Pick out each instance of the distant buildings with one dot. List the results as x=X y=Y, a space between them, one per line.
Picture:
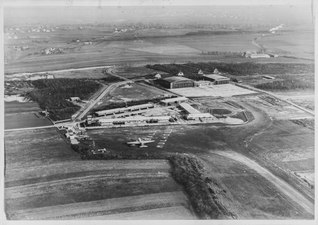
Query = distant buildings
x=40 y=76
x=254 y=55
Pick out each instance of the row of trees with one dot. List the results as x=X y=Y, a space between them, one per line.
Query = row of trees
x=287 y=84
x=239 y=69
x=203 y=191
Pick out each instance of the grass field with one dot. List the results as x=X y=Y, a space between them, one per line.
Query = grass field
x=47 y=180
x=107 y=49
x=249 y=194
x=289 y=146
x=130 y=93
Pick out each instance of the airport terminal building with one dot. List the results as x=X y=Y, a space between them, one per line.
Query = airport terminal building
x=176 y=82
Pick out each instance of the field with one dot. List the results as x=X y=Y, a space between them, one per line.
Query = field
x=224 y=90
x=304 y=98
x=251 y=195
x=131 y=93
x=288 y=43
x=23 y=114
x=275 y=108
x=48 y=180
x=288 y=146
x=136 y=48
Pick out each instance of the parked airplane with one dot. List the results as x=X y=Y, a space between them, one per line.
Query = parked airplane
x=141 y=142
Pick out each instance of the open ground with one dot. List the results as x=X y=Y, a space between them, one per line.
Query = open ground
x=54 y=183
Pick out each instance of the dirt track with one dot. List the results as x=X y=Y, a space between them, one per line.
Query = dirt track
x=281 y=185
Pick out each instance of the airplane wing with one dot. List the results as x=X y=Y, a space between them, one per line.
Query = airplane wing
x=147 y=141
x=133 y=142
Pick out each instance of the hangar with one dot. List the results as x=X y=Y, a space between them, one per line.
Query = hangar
x=217 y=79
x=176 y=82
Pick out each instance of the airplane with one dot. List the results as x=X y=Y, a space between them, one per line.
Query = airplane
x=140 y=142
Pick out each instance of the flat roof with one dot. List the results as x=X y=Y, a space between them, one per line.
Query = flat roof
x=189 y=108
x=176 y=78
x=216 y=77
x=135 y=118
x=174 y=99
x=124 y=109
x=200 y=115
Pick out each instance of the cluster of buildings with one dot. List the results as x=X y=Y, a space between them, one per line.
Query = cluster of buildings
x=180 y=81
x=255 y=55
x=134 y=115
x=74 y=134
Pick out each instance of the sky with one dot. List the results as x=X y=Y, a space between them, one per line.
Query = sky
x=150 y=2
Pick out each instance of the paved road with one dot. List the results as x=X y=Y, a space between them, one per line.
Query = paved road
x=281 y=185
x=106 y=90
x=92 y=103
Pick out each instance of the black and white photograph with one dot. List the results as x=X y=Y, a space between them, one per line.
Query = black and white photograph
x=144 y=110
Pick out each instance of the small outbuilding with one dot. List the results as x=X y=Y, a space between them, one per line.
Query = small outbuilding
x=181 y=74
x=158 y=76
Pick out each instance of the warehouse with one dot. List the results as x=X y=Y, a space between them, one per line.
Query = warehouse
x=176 y=82
x=125 y=109
x=194 y=114
x=217 y=79
x=134 y=120
x=174 y=101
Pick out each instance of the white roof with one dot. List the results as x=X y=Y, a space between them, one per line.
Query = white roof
x=189 y=108
x=200 y=115
x=216 y=77
x=134 y=118
x=174 y=99
x=123 y=109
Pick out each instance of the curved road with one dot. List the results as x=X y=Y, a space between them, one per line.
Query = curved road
x=280 y=184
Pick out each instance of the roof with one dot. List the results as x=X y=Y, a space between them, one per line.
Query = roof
x=176 y=79
x=124 y=109
x=216 y=77
x=174 y=99
x=134 y=118
x=189 y=108
x=200 y=115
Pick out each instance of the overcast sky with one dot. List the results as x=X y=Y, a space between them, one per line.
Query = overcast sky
x=151 y=2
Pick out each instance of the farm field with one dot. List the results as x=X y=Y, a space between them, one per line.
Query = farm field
x=304 y=98
x=289 y=146
x=47 y=180
x=23 y=114
x=131 y=50
x=251 y=195
x=290 y=43
x=275 y=108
